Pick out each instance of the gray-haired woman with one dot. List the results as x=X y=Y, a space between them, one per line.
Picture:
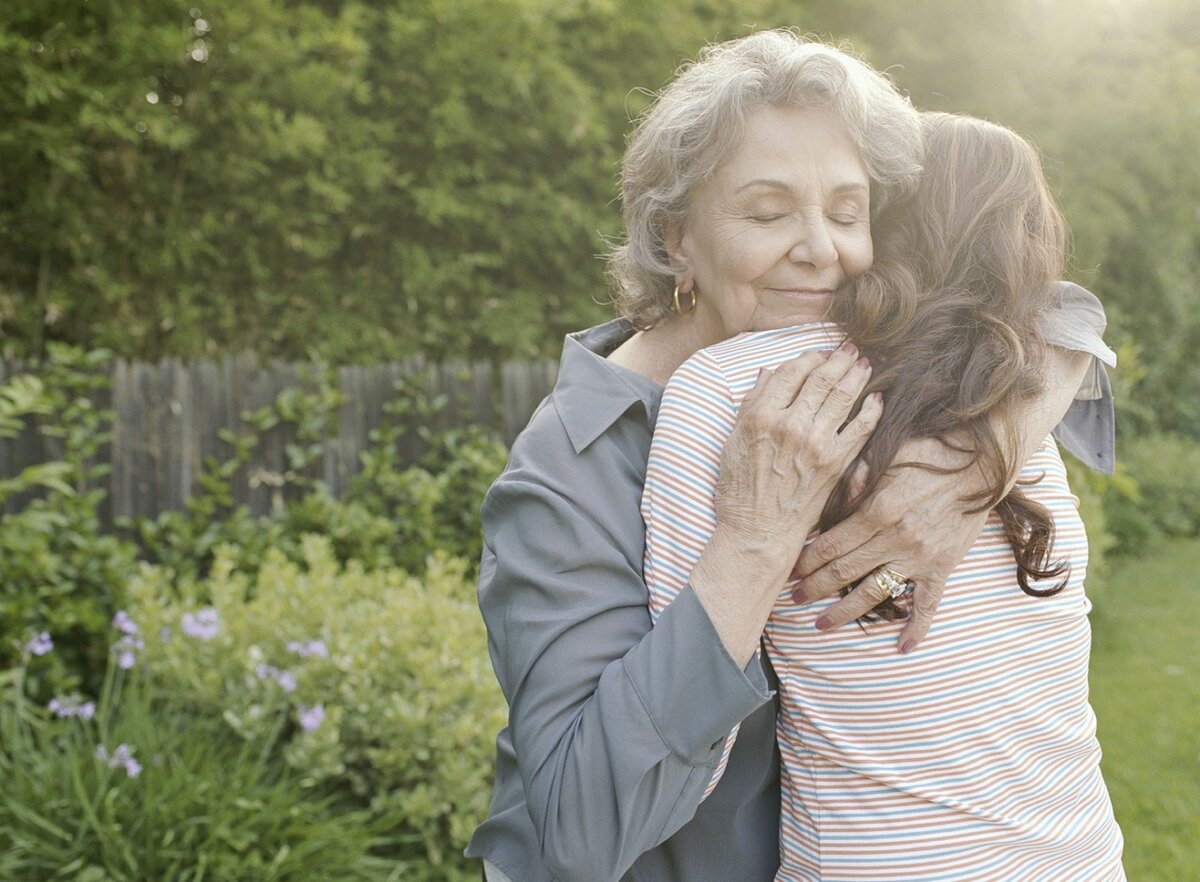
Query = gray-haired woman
x=748 y=188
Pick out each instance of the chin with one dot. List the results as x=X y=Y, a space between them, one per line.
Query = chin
x=771 y=319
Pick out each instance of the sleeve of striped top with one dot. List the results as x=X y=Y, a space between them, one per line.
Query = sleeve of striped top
x=694 y=420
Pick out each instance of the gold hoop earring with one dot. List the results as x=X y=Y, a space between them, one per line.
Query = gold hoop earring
x=679 y=308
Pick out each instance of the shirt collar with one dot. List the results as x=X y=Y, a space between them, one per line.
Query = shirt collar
x=592 y=393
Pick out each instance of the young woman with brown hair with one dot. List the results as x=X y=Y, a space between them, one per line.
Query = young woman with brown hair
x=974 y=757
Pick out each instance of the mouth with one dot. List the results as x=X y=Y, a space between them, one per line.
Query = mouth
x=804 y=293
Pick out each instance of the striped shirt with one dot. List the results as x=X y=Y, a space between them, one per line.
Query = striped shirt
x=974 y=758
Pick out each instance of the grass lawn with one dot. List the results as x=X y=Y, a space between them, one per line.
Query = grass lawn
x=1145 y=687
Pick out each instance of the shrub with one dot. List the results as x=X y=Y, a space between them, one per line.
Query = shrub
x=390 y=515
x=1166 y=469
x=380 y=673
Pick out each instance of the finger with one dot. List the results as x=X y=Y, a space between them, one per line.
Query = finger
x=840 y=540
x=925 y=602
x=865 y=597
x=760 y=382
x=834 y=409
x=855 y=433
x=839 y=571
x=779 y=388
x=825 y=379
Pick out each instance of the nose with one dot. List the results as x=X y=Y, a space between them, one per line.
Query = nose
x=813 y=244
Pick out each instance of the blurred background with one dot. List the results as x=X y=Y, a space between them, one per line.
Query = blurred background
x=375 y=220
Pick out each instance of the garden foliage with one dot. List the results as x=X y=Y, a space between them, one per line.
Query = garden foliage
x=379 y=675
x=58 y=571
x=139 y=786
x=329 y=657
x=366 y=180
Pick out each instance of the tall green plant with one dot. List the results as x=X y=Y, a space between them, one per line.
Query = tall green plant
x=58 y=572
x=137 y=785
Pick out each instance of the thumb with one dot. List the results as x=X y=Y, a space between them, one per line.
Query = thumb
x=858 y=481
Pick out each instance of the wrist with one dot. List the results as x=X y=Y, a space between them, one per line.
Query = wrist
x=748 y=557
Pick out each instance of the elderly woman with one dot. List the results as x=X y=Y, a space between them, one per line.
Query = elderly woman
x=614 y=728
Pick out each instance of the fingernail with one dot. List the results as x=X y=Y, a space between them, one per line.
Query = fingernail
x=864 y=362
x=825 y=353
x=849 y=348
x=878 y=396
x=798 y=597
x=824 y=623
x=906 y=647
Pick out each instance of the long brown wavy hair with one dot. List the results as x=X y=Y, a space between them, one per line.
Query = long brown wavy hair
x=950 y=315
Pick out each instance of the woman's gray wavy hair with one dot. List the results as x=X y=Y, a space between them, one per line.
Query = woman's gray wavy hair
x=698 y=119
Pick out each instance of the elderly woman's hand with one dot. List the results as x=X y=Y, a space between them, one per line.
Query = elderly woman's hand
x=789 y=446
x=916 y=523
x=786 y=453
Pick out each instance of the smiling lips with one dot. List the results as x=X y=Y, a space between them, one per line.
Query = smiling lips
x=805 y=293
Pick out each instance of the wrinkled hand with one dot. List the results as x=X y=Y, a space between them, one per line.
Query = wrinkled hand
x=786 y=453
x=916 y=523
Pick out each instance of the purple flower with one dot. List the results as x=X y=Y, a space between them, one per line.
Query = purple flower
x=127 y=648
x=312 y=647
x=311 y=717
x=72 y=706
x=123 y=623
x=204 y=624
x=121 y=758
x=39 y=644
x=285 y=679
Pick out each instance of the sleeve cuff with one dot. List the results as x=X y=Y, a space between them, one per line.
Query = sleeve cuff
x=690 y=687
x=1088 y=430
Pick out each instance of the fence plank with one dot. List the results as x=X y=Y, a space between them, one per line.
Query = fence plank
x=168 y=418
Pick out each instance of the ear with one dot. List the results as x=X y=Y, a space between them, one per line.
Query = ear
x=677 y=254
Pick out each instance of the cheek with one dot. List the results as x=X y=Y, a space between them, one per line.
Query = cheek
x=857 y=254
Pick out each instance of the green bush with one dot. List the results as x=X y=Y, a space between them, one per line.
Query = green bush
x=381 y=673
x=138 y=786
x=1166 y=469
x=391 y=515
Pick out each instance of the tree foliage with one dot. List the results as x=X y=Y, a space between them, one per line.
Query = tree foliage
x=360 y=179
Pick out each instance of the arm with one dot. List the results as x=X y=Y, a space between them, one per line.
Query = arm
x=615 y=727
x=695 y=430
x=917 y=524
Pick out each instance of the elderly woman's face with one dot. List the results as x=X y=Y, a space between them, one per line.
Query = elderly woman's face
x=781 y=224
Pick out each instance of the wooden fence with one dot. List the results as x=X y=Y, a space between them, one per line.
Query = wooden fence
x=167 y=420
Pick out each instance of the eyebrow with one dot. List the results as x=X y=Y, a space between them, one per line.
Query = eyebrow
x=775 y=184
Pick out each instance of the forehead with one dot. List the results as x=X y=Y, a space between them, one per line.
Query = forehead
x=798 y=148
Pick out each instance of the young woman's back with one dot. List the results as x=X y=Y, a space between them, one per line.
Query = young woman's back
x=974 y=758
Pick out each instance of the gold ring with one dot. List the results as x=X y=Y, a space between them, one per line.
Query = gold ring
x=895 y=584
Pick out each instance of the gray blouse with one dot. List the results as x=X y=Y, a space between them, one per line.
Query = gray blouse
x=614 y=727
